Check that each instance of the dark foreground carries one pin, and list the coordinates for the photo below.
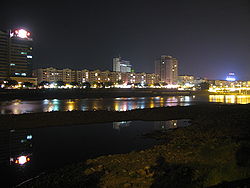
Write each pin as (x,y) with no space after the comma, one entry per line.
(213,151)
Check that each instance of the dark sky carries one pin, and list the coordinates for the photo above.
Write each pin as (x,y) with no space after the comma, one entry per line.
(209,37)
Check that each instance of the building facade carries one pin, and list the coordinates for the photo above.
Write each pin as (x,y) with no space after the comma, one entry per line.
(183,79)
(15,53)
(120,65)
(93,76)
(167,69)
(4,54)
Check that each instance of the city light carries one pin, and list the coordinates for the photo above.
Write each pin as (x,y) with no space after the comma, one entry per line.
(231,77)
(224,89)
(230,99)
(21,33)
(22,160)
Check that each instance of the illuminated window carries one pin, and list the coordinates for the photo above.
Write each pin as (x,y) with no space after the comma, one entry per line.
(29,56)
(24,53)
(12,64)
(23,74)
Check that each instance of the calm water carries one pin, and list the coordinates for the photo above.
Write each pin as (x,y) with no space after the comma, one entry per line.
(118,104)
(49,148)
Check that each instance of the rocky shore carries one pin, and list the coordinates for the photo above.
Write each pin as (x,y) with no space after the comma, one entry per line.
(213,151)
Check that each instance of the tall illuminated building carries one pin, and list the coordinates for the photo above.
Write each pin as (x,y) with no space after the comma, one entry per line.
(15,53)
(167,69)
(120,65)
(4,58)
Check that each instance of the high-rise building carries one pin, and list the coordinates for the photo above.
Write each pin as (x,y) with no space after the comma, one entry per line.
(167,69)
(120,65)
(4,54)
(15,53)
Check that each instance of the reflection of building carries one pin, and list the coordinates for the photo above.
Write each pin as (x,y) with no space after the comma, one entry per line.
(15,54)
(165,125)
(16,146)
(230,99)
(167,69)
(120,65)
(121,124)
(4,147)
(171,124)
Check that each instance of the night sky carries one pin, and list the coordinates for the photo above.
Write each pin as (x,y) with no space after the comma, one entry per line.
(209,37)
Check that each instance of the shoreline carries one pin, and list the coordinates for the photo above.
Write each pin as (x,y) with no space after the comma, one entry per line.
(39,94)
(214,149)
(70,118)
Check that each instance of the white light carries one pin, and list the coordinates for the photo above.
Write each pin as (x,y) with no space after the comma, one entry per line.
(230,79)
(29,56)
(22,160)
(29,137)
(22,33)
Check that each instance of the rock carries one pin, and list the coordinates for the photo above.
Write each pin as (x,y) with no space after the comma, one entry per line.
(142,172)
(127,185)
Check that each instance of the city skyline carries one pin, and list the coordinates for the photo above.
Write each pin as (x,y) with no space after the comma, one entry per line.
(209,38)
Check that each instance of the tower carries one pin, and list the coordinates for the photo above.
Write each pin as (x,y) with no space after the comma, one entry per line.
(15,53)
(167,69)
(120,65)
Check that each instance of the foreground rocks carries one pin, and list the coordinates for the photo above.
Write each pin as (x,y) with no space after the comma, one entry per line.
(213,150)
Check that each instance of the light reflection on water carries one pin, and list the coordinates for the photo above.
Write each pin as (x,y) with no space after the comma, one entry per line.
(117,104)
(230,99)
(72,144)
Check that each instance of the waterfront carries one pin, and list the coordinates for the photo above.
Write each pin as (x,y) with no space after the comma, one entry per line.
(212,150)
(116,104)
(73,144)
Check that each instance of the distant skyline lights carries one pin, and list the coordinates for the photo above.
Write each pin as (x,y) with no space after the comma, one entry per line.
(231,77)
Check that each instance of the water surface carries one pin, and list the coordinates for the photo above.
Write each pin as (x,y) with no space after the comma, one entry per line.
(117,104)
(49,148)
